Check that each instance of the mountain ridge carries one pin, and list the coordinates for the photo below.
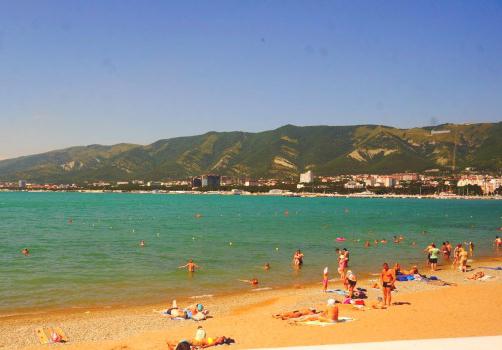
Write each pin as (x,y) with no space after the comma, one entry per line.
(282,152)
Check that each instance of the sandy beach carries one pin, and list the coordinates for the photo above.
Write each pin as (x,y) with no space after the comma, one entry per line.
(472,308)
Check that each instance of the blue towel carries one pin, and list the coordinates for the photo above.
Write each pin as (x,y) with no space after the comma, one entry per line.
(337,291)
(498,268)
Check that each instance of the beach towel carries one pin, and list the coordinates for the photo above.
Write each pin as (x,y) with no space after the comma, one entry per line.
(486,278)
(337,291)
(45,335)
(498,268)
(324,324)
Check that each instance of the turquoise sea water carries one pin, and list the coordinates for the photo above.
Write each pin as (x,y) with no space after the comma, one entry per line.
(95,260)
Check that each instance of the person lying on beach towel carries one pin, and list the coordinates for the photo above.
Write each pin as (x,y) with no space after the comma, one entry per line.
(194,312)
(323,324)
(200,344)
(476,276)
(330,314)
(296,314)
(435,281)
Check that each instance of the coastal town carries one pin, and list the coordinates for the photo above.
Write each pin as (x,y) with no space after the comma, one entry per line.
(431,184)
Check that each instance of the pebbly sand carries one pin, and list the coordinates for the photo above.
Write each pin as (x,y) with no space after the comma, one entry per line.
(472,308)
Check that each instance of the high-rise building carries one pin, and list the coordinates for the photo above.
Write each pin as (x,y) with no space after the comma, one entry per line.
(210,180)
(307,177)
(22,184)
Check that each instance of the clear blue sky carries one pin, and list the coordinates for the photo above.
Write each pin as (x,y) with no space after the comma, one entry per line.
(83,72)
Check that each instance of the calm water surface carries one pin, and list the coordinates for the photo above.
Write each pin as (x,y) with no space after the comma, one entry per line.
(85,247)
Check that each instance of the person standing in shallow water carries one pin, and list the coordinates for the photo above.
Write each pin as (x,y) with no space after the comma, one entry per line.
(191,266)
(298,258)
(433,257)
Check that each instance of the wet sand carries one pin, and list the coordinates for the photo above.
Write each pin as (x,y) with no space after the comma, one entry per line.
(472,308)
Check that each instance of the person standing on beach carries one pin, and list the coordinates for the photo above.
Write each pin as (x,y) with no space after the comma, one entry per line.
(449,248)
(342,265)
(387,280)
(347,256)
(350,282)
(428,251)
(498,242)
(191,266)
(456,255)
(445,251)
(433,257)
(463,255)
(325,280)
(471,249)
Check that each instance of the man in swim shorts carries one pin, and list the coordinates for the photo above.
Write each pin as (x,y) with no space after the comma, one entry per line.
(25,252)
(387,280)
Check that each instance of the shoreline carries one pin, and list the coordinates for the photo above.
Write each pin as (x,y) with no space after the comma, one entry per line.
(267,194)
(125,324)
(185,299)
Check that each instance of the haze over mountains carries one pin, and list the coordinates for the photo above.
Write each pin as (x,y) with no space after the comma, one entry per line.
(279,153)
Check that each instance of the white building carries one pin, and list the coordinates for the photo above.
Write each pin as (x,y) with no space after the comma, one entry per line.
(307,177)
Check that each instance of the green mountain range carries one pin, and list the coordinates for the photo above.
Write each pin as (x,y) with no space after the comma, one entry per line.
(279,153)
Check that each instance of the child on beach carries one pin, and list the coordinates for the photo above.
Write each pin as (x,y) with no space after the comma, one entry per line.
(325,280)
(350,282)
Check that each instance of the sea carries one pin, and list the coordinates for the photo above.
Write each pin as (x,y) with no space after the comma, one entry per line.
(85,252)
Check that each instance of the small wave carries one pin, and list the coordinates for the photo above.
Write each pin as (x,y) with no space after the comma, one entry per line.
(261,289)
(202,296)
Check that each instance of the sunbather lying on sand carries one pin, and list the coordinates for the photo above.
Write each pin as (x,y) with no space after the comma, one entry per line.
(476,276)
(195,312)
(204,343)
(296,314)
(328,315)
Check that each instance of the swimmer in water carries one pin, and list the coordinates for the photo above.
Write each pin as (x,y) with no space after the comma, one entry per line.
(142,243)
(266,267)
(253,282)
(190,266)
(25,252)
(367,244)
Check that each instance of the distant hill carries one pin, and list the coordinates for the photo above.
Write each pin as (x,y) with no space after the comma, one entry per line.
(283,152)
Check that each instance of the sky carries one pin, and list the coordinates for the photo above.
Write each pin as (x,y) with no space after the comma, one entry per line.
(100,71)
